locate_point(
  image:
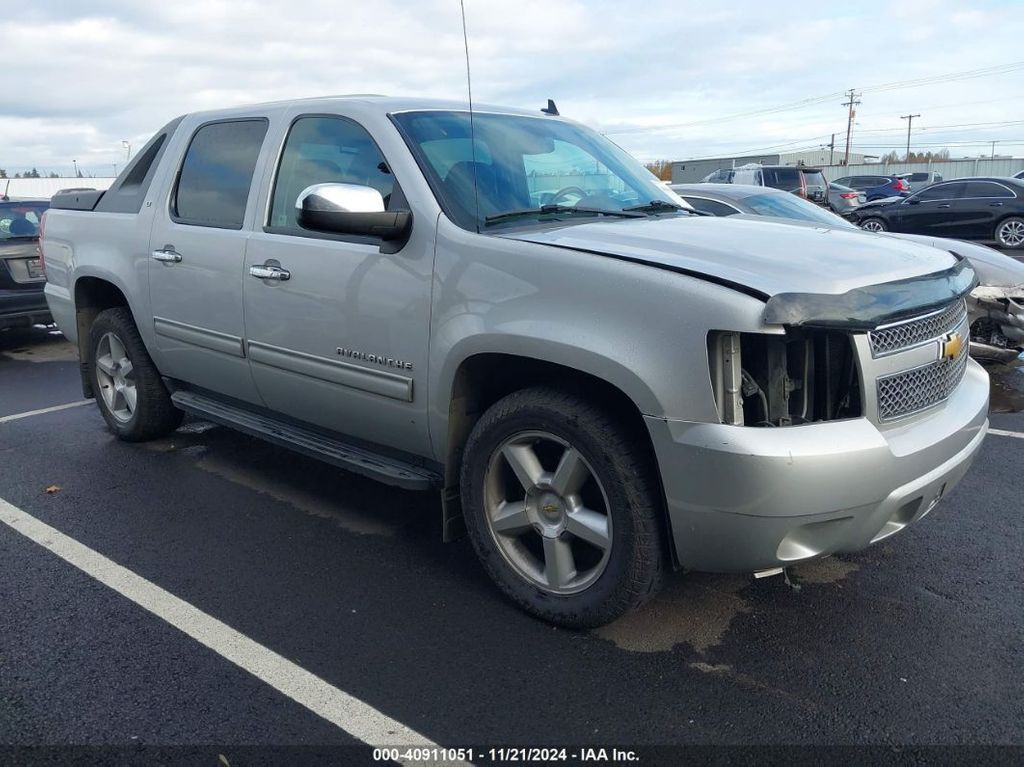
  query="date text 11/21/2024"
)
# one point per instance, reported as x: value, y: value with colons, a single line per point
x: 504, y: 754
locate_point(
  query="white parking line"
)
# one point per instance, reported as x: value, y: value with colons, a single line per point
x: 54, y: 409
x: 358, y: 719
x: 1004, y: 433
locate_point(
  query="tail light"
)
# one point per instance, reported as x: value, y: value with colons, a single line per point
x: 848, y: 195
x: 901, y: 185
x: 39, y: 242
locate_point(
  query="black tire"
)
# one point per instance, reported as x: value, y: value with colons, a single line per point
x: 620, y: 460
x: 1008, y: 233
x: 152, y: 415
x: 874, y: 224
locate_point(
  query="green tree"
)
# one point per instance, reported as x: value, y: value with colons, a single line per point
x: 3, y: 173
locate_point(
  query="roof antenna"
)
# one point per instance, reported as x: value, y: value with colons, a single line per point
x: 550, y: 109
x: 472, y: 127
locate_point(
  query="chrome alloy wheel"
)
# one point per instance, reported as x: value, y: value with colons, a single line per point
x: 1011, y: 234
x: 547, y: 512
x: 116, y: 377
x: 872, y: 225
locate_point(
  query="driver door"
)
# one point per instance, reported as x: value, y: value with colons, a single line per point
x: 342, y: 342
x: 930, y: 211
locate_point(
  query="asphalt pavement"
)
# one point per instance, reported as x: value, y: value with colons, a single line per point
x: 916, y: 641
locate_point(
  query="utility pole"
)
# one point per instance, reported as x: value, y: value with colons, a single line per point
x: 993, y: 150
x: 910, y: 121
x: 128, y: 149
x: 832, y: 150
x: 854, y: 101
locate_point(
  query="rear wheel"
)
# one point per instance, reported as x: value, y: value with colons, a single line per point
x: 129, y: 391
x: 562, y: 507
x: 874, y: 225
x: 1010, y: 233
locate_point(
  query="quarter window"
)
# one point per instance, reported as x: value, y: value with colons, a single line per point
x: 325, y: 150
x: 986, y: 189
x: 215, y: 177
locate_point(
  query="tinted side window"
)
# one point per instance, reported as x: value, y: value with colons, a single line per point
x: 940, y: 192
x: 986, y: 189
x: 713, y: 207
x: 915, y: 177
x: 325, y: 150
x: 787, y: 179
x: 215, y: 177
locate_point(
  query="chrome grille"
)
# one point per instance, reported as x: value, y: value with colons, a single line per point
x: 902, y: 394
x: 904, y: 335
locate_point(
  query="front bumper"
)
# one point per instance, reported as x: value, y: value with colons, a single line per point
x: 742, y: 499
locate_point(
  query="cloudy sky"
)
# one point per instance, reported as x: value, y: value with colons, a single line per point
x: 670, y: 80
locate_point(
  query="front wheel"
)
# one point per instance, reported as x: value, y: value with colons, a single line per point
x: 1010, y: 233
x: 874, y: 225
x: 562, y: 506
x: 129, y: 390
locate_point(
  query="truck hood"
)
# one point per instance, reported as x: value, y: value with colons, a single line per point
x: 765, y: 257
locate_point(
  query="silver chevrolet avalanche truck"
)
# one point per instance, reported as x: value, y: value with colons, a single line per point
x: 504, y: 307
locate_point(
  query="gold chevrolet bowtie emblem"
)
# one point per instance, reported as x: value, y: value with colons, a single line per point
x: 951, y: 346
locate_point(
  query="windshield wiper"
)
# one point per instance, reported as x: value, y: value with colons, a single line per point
x: 662, y: 206
x: 546, y: 209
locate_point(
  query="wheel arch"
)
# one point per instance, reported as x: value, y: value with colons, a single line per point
x: 92, y: 294
x: 482, y: 378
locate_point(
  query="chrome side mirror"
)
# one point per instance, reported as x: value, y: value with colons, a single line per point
x: 350, y: 209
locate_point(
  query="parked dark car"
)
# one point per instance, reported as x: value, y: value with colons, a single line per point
x: 967, y: 208
x: 21, y: 271
x: 876, y: 187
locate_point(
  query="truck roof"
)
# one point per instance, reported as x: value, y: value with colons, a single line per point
x: 386, y: 105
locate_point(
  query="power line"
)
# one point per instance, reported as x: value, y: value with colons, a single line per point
x: 814, y: 100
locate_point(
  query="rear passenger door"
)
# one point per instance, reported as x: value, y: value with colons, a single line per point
x: 980, y: 206
x: 197, y: 253
x: 342, y: 342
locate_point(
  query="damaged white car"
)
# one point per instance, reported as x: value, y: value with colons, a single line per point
x: 996, y: 306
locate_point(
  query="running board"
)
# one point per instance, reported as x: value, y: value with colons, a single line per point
x: 390, y: 471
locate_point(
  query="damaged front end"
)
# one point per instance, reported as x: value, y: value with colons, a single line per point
x: 883, y: 351
x: 997, y: 322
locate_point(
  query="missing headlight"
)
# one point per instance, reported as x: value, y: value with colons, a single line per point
x: 804, y: 376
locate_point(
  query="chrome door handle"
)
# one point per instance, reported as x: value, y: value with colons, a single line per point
x: 265, y: 272
x: 167, y: 255
x: 945, y: 206
x: 995, y: 205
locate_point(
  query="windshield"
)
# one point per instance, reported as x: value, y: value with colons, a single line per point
x: 519, y: 163
x: 20, y: 219
x: 790, y: 206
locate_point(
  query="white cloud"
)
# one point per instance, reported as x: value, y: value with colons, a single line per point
x: 81, y: 77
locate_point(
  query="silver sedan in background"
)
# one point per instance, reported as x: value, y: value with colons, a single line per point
x: 844, y: 200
